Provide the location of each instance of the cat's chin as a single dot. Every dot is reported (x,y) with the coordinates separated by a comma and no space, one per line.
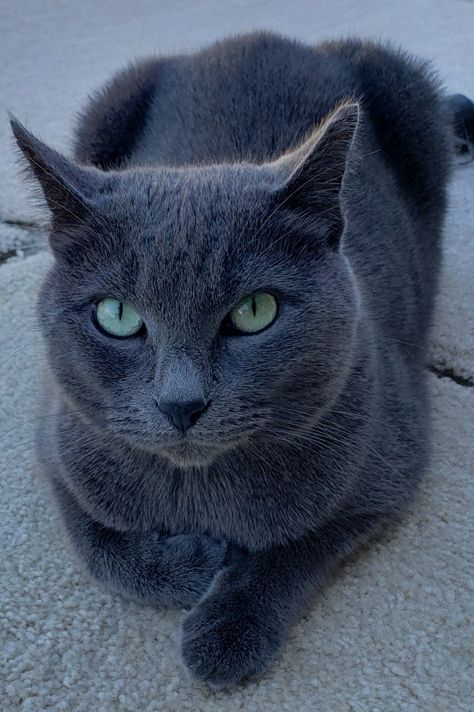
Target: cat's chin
(189,455)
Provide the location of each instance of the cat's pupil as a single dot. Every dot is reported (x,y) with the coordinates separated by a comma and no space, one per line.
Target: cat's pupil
(120,309)
(254,305)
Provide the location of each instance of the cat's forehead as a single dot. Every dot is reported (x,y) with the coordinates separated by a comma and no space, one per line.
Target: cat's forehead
(200,201)
(201,220)
(189,235)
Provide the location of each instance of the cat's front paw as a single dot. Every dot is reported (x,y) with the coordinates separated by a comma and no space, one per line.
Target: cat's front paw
(182,566)
(164,570)
(227,640)
(193,561)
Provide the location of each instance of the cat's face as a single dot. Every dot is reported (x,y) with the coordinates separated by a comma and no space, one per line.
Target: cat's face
(180,251)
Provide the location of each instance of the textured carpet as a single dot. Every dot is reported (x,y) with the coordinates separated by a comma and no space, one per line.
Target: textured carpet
(395,630)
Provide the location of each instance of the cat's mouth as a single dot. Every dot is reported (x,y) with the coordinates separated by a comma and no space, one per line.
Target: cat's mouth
(183,450)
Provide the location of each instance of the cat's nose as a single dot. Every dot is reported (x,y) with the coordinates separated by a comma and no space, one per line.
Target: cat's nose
(182,415)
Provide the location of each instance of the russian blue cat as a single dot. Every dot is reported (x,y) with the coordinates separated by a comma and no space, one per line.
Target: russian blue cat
(247,247)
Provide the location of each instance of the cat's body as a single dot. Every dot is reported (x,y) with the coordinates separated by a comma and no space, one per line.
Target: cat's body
(315,430)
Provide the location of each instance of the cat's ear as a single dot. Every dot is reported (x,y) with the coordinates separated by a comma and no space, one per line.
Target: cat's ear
(309,179)
(69,189)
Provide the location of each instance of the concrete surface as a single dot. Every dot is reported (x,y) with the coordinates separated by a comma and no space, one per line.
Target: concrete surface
(54,52)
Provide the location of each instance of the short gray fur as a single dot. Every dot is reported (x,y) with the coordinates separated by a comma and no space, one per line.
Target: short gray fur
(200,179)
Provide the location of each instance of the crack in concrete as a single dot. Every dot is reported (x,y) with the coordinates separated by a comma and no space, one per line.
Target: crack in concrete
(445,372)
(4,256)
(23,238)
(21,224)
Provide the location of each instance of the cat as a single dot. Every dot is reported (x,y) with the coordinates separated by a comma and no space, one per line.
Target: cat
(247,247)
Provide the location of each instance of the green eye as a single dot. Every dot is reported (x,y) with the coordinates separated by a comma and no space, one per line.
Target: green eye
(254,313)
(117,318)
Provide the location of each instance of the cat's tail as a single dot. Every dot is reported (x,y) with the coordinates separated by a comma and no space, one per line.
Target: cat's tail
(462,112)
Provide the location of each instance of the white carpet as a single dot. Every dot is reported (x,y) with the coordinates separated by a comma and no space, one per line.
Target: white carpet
(394,633)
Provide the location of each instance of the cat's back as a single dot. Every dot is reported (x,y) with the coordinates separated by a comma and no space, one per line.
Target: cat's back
(252,97)
(241,99)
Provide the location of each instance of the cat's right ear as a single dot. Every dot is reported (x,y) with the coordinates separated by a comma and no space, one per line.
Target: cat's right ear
(309,179)
(69,190)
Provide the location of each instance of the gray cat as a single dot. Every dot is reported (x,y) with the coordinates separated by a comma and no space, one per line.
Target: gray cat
(247,248)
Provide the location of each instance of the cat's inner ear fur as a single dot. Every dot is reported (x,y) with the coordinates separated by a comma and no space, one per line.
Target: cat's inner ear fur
(69,190)
(309,179)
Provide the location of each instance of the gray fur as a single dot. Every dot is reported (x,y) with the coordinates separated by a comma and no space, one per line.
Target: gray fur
(318,174)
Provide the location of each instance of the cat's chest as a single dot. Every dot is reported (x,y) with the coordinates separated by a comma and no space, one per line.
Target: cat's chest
(254,502)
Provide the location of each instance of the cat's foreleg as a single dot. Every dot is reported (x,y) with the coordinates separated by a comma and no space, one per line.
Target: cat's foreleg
(238,627)
(167,570)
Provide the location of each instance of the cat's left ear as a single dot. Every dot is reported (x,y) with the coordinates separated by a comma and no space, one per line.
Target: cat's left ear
(309,179)
(69,189)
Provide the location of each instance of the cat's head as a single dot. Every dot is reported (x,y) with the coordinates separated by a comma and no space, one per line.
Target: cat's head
(192,310)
